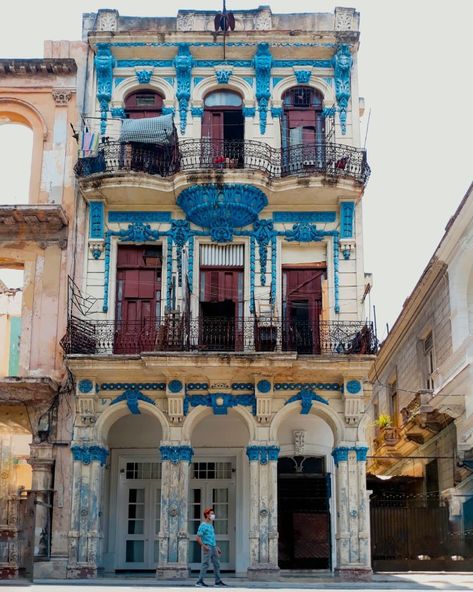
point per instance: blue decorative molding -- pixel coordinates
(219, 402)
(183, 65)
(144, 76)
(264, 386)
(328, 112)
(353, 387)
(303, 76)
(274, 254)
(218, 44)
(347, 215)
(138, 216)
(340, 454)
(117, 112)
(85, 453)
(321, 386)
(262, 454)
(252, 273)
(263, 232)
(283, 217)
(190, 265)
(169, 272)
(262, 65)
(96, 219)
(104, 69)
(342, 62)
(249, 111)
(132, 398)
(176, 454)
(306, 397)
(179, 234)
(361, 453)
(85, 385)
(170, 80)
(141, 386)
(302, 232)
(168, 110)
(197, 112)
(117, 79)
(336, 272)
(276, 112)
(223, 76)
(249, 79)
(243, 386)
(197, 386)
(277, 79)
(175, 386)
(198, 79)
(222, 209)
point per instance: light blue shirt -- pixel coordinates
(207, 534)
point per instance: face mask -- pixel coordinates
(212, 516)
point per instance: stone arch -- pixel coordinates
(320, 409)
(211, 84)
(199, 413)
(23, 113)
(118, 410)
(315, 82)
(131, 84)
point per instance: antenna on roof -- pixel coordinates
(224, 21)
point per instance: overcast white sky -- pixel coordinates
(415, 72)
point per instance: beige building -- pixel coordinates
(39, 94)
(421, 422)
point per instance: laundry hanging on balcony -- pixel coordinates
(149, 130)
(88, 145)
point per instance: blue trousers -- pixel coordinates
(207, 557)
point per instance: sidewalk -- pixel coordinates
(381, 581)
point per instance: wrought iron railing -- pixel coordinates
(218, 335)
(333, 160)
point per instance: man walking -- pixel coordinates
(206, 539)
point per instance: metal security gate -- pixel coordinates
(414, 532)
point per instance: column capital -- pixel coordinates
(262, 453)
(176, 453)
(86, 453)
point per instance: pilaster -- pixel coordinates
(263, 511)
(173, 535)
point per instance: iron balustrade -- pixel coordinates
(182, 334)
(330, 159)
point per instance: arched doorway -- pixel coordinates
(223, 128)
(133, 491)
(302, 129)
(219, 478)
(304, 493)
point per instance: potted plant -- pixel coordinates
(388, 432)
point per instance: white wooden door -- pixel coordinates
(212, 484)
(138, 515)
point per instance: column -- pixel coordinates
(85, 534)
(173, 535)
(41, 461)
(9, 503)
(263, 511)
(352, 533)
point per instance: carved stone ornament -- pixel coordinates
(107, 20)
(96, 247)
(263, 20)
(344, 19)
(299, 442)
(185, 22)
(62, 96)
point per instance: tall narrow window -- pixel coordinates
(429, 361)
(394, 403)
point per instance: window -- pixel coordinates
(143, 104)
(394, 403)
(429, 362)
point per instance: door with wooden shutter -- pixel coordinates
(138, 298)
(302, 305)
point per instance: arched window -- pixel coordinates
(143, 103)
(223, 116)
(302, 121)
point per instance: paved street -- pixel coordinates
(405, 582)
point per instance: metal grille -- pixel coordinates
(222, 255)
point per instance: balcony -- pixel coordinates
(335, 161)
(202, 335)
